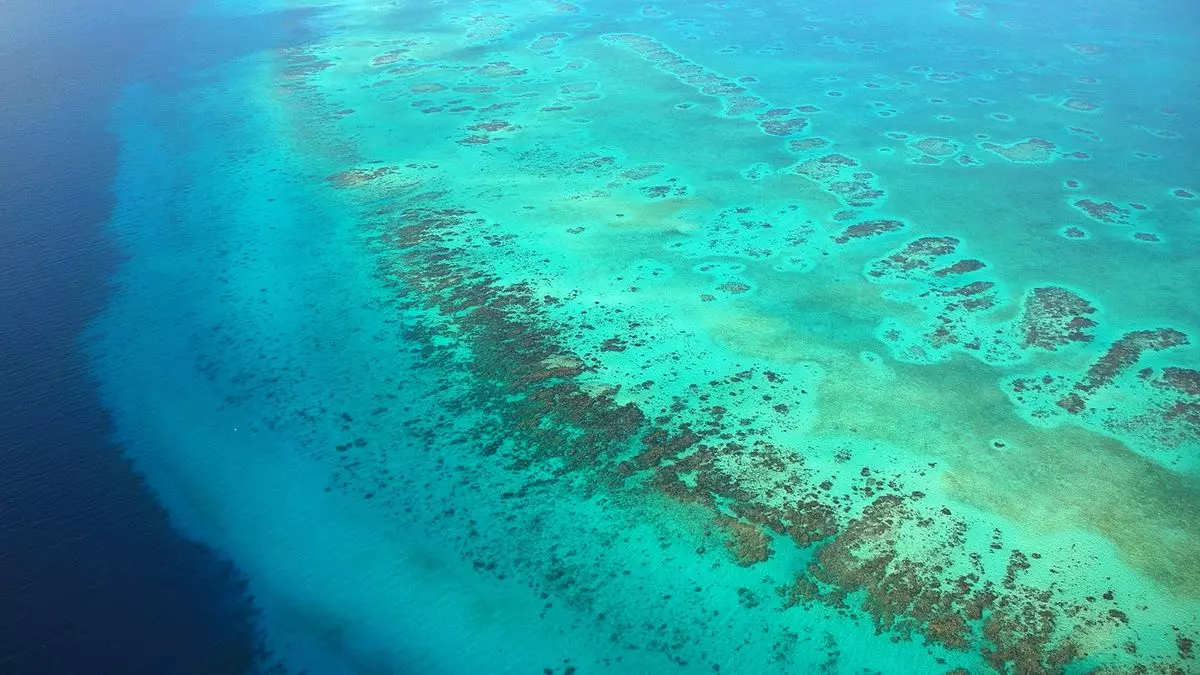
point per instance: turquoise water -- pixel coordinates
(541, 336)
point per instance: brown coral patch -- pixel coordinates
(748, 543)
(806, 144)
(520, 371)
(938, 147)
(1032, 150)
(500, 69)
(355, 177)
(916, 257)
(1104, 212)
(659, 445)
(1124, 353)
(868, 229)
(741, 105)
(824, 168)
(1054, 317)
(547, 41)
(1185, 380)
(786, 126)
(961, 267)
(427, 88)
(1021, 635)
(494, 125)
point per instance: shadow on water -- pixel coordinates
(92, 578)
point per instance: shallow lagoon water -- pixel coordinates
(726, 337)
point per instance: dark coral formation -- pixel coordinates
(806, 144)
(1124, 353)
(734, 287)
(548, 41)
(949, 301)
(1185, 380)
(737, 106)
(1014, 627)
(935, 146)
(747, 542)
(1104, 212)
(782, 122)
(916, 260)
(1023, 638)
(1170, 414)
(1033, 150)
(1175, 413)
(867, 229)
(355, 177)
(971, 297)
(492, 126)
(839, 175)
(960, 313)
(826, 167)
(524, 373)
(1054, 317)
(965, 266)
(1083, 132)
(427, 88)
(500, 69)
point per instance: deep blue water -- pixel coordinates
(92, 578)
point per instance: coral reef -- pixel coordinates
(868, 228)
(1104, 212)
(1033, 150)
(1054, 317)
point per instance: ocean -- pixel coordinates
(562, 337)
(93, 578)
